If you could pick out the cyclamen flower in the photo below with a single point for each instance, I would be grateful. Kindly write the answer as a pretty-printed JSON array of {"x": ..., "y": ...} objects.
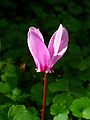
[{"x": 45, "y": 58}]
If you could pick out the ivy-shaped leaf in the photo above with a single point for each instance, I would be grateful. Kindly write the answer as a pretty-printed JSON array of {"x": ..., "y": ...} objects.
[
  {"x": 61, "y": 103},
  {"x": 19, "y": 112},
  {"x": 80, "y": 106},
  {"x": 86, "y": 113},
  {"x": 63, "y": 116},
  {"x": 61, "y": 85}
]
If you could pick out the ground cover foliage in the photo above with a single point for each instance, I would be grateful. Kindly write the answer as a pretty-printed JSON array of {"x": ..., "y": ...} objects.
[{"x": 21, "y": 88}]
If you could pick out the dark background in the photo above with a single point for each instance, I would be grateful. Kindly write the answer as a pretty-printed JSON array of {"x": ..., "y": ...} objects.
[{"x": 19, "y": 83}]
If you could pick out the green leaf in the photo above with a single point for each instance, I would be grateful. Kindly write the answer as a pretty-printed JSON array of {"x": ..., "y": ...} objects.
[
  {"x": 86, "y": 113},
  {"x": 13, "y": 110},
  {"x": 33, "y": 111},
  {"x": 19, "y": 112},
  {"x": 10, "y": 75},
  {"x": 36, "y": 93},
  {"x": 15, "y": 94},
  {"x": 1, "y": 65},
  {"x": 4, "y": 88},
  {"x": 3, "y": 112},
  {"x": 63, "y": 116},
  {"x": 10, "y": 68},
  {"x": 61, "y": 85},
  {"x": 16, "y": 91},
  {"x": 61, "y": 103},
  {"x": 77, "y": 90},
  {"x": 10, "y": 78},
  {"x": 79, "y": 105}
]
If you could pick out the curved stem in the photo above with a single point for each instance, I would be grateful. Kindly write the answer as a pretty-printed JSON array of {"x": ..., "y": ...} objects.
[{"x": 44, "y": 96}]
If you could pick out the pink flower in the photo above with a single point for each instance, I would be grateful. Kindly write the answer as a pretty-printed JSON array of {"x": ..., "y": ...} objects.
[{"x": 44, "y": 57}]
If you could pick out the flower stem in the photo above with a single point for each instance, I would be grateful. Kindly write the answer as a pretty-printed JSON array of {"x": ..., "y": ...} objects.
[{"x": 44, "y": 96}]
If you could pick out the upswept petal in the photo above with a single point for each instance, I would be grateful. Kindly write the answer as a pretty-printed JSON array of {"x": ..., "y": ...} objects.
[
  {"x": 57, "y": 57},
  {"x": 38, "y": 49},
  {"x": 50, "y": 45},
  {"x": 64, "y": 40},
  {"x": 63, "y": 45},
  {"x": 58, "y": 44},
  {"x": 57, "y": 39},
  {"x": 37, "y": 31}
]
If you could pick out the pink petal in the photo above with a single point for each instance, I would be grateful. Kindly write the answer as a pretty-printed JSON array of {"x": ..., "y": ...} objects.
[
  {"x": 50, "y": 45},
  {"x": 37, "y": 32},
  {"x": 55, "y": 40},
  {"x": 58, "y": 44},
  {"x": 64, "y": 40},
  {"x": 38, "y": 50},
  {"x": 57, "y": 57}
]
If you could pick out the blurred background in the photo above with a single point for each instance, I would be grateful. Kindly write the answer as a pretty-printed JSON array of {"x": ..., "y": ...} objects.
[{"x": 19, "y": 82}]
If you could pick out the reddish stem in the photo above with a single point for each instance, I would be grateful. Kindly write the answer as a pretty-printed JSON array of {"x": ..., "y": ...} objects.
[{"x": 44, "y": 97}]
